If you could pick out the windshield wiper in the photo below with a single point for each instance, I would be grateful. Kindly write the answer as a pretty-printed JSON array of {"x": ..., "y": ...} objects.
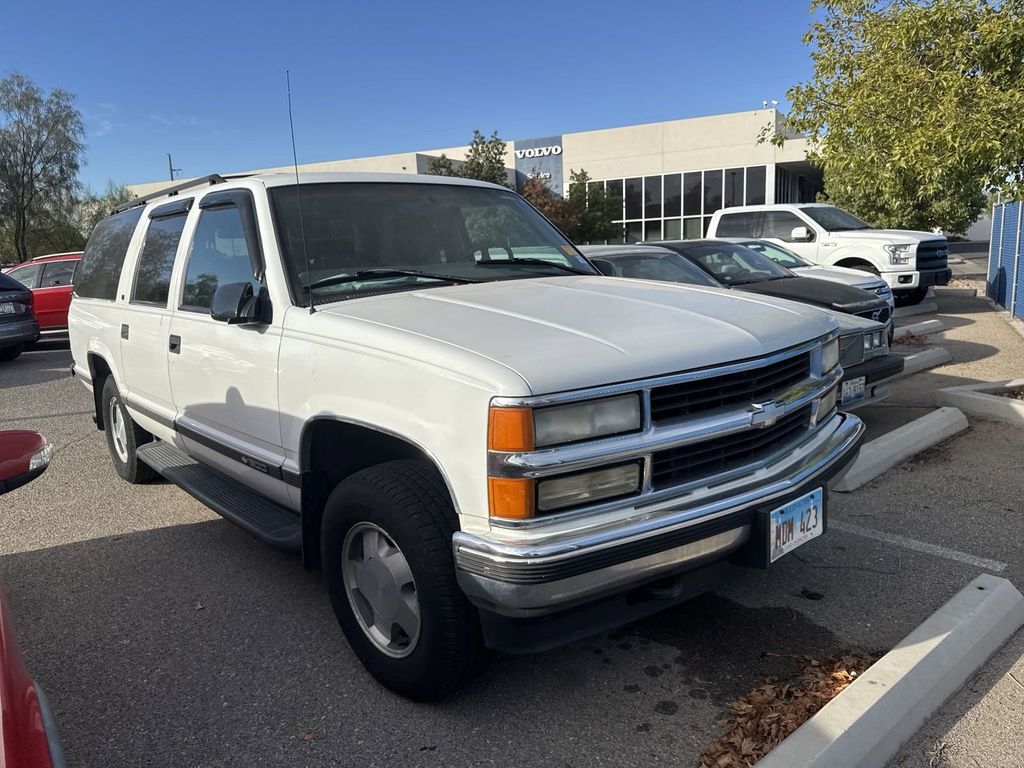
[
  {"x": 371, "y": 274},
  {"x": 534, "y": 263}
]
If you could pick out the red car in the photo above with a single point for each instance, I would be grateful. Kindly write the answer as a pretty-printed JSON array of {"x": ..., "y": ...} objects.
[
  {"x": 50, "y": 278},
  {"x": 28, "y": 735}
]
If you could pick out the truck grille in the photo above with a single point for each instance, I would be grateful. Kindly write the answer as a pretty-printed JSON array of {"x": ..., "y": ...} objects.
[
  {"x": 878, "y": 315},
  {"x": 675, "y": 401},
  {"x": 675, "y": 466},
  {"x": 932, "y": 254}
]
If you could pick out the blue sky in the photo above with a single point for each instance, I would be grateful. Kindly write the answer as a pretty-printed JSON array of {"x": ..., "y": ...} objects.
[{"x": 205, "y": 81}]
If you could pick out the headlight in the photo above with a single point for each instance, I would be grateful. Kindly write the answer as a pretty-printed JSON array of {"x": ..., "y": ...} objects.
[
  {"x": 830, "y": 356},
  {"x": 586, "y": 420},
  {"x": 874, "y": 340},
  {"x": 40, "y": 458},
  {"x": 587, "y": 487},
  {"x": 898, "y": 253}
]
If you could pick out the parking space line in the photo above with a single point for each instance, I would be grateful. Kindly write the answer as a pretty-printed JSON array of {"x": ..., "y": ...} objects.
[{"x": 918, "y": 546}]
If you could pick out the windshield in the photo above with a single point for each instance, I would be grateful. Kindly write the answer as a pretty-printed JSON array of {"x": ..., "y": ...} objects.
[
  {"x": 834, "y": 219},
  {"x": 734, "y": 264},
  {"x": 402, "y": 236},
  {"x": 776, "y": 253},
  {"x": 654, "y": 266}
]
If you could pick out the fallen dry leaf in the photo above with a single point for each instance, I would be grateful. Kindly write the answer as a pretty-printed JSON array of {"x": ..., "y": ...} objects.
[
  {"x": 773, "y": 710},
  {"x": 305, "y": 734}
]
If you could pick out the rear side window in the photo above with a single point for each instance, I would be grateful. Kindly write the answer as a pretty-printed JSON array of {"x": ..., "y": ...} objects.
[
  {"x": 58, "y": 273},
  {"x": 153, "y": 277},
  {"x": 220, "y": 255},
  {"x": 104, "y": 255},
  {"x": 736, "y": 225},
  {"x": 28, "y": 276},
  {"x": 780, "y": 224}
]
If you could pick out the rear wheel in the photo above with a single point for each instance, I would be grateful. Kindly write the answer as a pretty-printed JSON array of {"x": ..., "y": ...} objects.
[
  {"x": 124, "y": 437},
  {"x": 387, "y": 556},
  {"x": 10, "y": 353}
]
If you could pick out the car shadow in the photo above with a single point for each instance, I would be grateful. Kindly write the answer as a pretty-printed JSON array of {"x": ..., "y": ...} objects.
[{"x": 48, "y": 359}]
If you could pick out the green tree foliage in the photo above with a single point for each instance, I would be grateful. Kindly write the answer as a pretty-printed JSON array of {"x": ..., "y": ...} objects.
[
  {"x": 93, "y": 207},
  {"x": 914, "y": 108},
  {"x": 556, "y": 209},
  {"x": 41, "y": 151},
  {"x": 485, "y": 161},
  {"x": 597, "y": 209}
]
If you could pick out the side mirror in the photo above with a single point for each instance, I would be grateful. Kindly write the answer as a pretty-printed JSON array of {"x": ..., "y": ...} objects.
[
  {"x": 604, "y": 266},
  {"x": 801, "y": 235},
  {"x": 234, "y": 304},
  {"x": 24, "y": 456}
]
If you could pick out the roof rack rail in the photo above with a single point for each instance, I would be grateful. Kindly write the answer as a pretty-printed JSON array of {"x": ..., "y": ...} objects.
[{"x": 213, "y": 178}]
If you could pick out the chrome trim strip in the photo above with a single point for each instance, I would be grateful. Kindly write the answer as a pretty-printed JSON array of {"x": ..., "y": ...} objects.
[
  {"x": 830, "y": 445},
  {"x": 538, "y": 401},
  {"x": 581, "y": 456}
]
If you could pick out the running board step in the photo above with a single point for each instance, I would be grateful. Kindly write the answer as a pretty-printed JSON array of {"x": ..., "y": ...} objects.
[{"x": 277, "y": 526}]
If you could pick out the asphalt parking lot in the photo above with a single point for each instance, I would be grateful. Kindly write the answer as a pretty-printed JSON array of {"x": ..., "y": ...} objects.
[{"x": 166, "y": 636}]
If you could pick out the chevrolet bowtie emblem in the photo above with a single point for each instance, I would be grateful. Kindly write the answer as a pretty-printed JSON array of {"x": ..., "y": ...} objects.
[{"x": 764, "y": 414}]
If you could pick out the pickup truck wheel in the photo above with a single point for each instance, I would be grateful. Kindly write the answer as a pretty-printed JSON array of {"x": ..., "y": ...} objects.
[
  {"x": 386, "y": 547},
  {"x": 124, "y": 437}
]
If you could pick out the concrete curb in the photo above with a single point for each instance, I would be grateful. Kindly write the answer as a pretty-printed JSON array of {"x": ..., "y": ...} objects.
[
  {"x": 983, "y": 400},
  {"x": 919, "y": 329},
  {"x": 865, "y": 725},
  {"x": 956, "y": 292},
  {"x": 929, "y": 357},
  {"x": 894, "y": 447},
  {"x": 924, "y": 308}
]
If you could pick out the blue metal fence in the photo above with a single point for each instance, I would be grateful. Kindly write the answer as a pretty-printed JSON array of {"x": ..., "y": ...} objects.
[{"x": 1005, "y": 266}]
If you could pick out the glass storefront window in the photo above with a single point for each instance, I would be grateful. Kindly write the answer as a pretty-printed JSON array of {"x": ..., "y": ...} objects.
[
  {"x": 634, "y": 198},
  {"x": 692, "y": 229},
  {"x": 733, "y": 186},
  {"x": 652, "y": 197},
  {"x": 634, "y": 231},
  {"x": 652, "y": 230},
  {"x": 755, "y": 185},
  {"x": 707, "y": 226},
  {"x": 712, "y": 191},
  {"x": 673, "y": 229},
  {"x": 691, "y": 194},
  {"x": 673, "y": 195}
]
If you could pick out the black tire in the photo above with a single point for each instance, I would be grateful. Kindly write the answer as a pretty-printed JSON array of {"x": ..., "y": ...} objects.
[
  {"x": 10, "y": 353},
  {"x": 911, "y": 297},
  {"x": 409, "y": 502},
  {"x": 128, "y": 467}
]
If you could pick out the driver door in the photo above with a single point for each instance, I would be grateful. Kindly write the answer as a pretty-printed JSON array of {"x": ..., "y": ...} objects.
[
  {"x": 777, "y": 226},
  {"x": 224, "y": 377}
]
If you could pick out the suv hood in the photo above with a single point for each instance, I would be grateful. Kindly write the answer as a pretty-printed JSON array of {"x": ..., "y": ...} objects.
[
  {"x": 842, "y": 275},
  {"x": 886, "y": 235},
  {"x": 821, "y": 293},
  {"x": 562, "y": 333}
]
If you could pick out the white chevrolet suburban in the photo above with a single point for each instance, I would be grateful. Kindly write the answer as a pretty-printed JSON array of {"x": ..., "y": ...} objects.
[
  {"x": 910, "y": 262},
  {"x": 423, "y": 387}
]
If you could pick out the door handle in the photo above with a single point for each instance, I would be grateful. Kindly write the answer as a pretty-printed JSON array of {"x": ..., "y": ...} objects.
[
  {"x": 175, "y": 345},
  {"x": 124, "y": 330}
]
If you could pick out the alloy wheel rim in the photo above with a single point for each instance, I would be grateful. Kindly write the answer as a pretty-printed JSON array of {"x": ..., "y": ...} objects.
[
  {"x": 381, "y": 590},
  {"x": 118, "y": 430}
]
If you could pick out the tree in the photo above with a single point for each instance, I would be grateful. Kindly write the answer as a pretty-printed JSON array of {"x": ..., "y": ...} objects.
[
  {"x": 485, "y": 161},
  {"x": 556, "y": 209},
  {"x": 92, "y": 208},
  {"x": 441, "y": 166},
  {"x": 597, "y": 209},
  {"x": 914, "y": 108},
  {"x": 41, "y": 151}
]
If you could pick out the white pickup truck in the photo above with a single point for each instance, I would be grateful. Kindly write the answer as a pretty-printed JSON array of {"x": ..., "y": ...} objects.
[
  {"x": 421, "y": 386},
  {"x": 910, "y": 262}
]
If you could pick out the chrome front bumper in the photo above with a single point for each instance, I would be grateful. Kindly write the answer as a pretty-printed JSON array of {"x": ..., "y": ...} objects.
[{"x": 550, "y": 574}]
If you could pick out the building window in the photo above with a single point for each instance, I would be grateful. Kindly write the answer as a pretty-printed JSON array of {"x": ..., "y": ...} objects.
[
  {"x": 712, "y": 191},
  {"x": 634, "y": 198},
  {"x": 755, "y": 185},
  {"x": 691, "y": 194},
  {"x": 673, "y": 229},
  {"x": 692, "y": 228},
  {"x": 652, "y": 197},
  {"x": 652, "y": 230},
  {"x": 733, "y": 187},
  {"x": 673, "y": 195},
  {"x": 634, "y": 231}
]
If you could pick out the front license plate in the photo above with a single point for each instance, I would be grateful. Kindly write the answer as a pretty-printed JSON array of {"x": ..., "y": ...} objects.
[
  {"x": 796, "y": 523},
  {"x": 6, "y": 308},
  {"x": 853, "y": 389}
]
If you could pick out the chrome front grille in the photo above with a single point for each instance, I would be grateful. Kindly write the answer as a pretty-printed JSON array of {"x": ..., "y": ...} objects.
[
  {"x": 688, "y": 398},
  {"x": 677, "y": 466}
]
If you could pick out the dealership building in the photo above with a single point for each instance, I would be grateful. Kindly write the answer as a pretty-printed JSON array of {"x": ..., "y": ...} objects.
[{"x": 672, "y": 176}]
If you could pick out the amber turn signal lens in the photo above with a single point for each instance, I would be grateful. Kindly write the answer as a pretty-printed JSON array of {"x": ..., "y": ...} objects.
[
  {"x": 511, "y": 498},
  {"x": 510, "y": 429}
]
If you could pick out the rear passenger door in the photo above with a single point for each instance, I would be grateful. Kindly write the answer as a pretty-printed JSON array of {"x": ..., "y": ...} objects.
[
  {"x": 224, "y": 377},
  {"x": 146, "y": 319}
]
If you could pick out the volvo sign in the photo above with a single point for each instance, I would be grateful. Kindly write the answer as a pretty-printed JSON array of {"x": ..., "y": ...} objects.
[
  {"x": 539, "y": 151},
  {"x": 540, "y": 159}
]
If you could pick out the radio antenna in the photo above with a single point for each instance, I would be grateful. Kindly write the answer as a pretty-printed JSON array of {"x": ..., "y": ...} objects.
[{"x": 298, "y": 195}]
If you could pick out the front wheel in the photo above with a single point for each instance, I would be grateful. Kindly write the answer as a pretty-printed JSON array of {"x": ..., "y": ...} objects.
[
  {"x": 124, "y": 437},
  {"x": 387, "y": 556}
]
